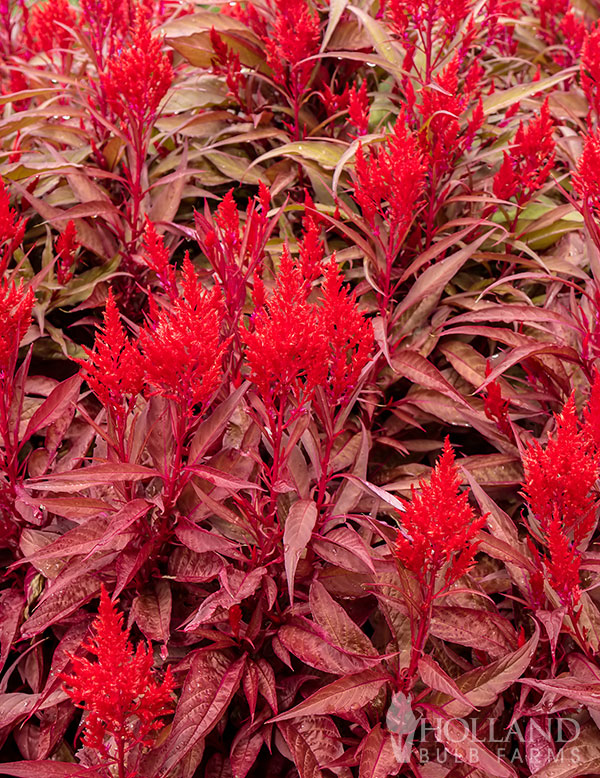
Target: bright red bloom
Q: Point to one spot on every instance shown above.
(527, 165)
(12, 228)
(348, 333)
(496, 406)
(559, 477)
(389, 182)
(119, 691)
(137, 79)
(590, 68)
(438, 525)
(586, 181)
(16, 303)
(156, 256)
(286, 348)
(114, 368)
(294, 38)
(183, 349)
(227, 62)
(310, 245)
(574, 29)
(416, 14)
(358, 108)
(563, 564)
(66, 246)
(44, 25)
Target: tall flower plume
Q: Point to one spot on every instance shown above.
(118, 691)
(295, 37)
(114, 367)
(44, 28)
(439, 525)
(12, 228)
(586, 180)
(389, 181)
(527, 165)
(16, 303)
(137, 79)
(182, 345)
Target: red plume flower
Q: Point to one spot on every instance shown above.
(12, 228)
(118, 691)
(16, 303)
(390, 180)
(439, 525)
(559, 477)
(590, 68)
(586, 180)
(66, 246)
(44, 25)
(183, 349)
(113, 369)
(295, 37)
(527, 165)
(137, 79)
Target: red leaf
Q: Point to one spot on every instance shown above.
(344, 633)
(54, 406)
(377, 759)
(210, 684)
(95, 475)
(304, 759)
(47, 768)
(299, 525)
(352, 692)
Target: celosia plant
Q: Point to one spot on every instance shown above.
(123, 702)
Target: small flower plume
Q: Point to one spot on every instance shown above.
(590, 68)
(348, 333)
(389, 181)
(12, 228)
(286, 347)
(66, 246)
(560, 476)
(118, 690)
(294, 38)
(182, 346)
(439, 525)
(137, 79)
(527, 165)
(227, 63)
(16, 303)
(563, 564)
(586, 181)
(113, 369)
(406, 15)
(496, 406)
(44, 28)
(358, 108)
(310, 245)
(156, 255)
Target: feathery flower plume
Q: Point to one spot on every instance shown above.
(559, 477)
(183, 350)
(118, 690)
(348, 333)
(590, 68)
(389, 181)
(12, 228)
(294, 38)
(66, 246)
(156, 255)
(439, 525)
(286, 347)
(114, 367)
(44, 25)
(528, 163)
(137, 79)
(586, 181)
(16, 303)
(358, 108)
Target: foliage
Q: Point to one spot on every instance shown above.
(299, 389)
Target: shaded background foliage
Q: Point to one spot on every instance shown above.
(259, 261)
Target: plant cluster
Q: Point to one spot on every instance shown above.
(299, 389)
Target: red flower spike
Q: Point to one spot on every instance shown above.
(66, 246)
(114, 368)
(527, 165)
(439, 525)
(563, 564)
(590, 68)
(182, 347)
(286, 348)
(586, 181)
(12, 228)
(294, 38)
(16, 303)
(390, 180)
(44, 25)
(358, 108)
(591, 413)
(559, 477)
(310, 246)
(228, 221)
(227, 63)
(137, 79)
(118, 692)
(349, 334)
(156, 256)
(495, 406)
